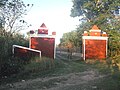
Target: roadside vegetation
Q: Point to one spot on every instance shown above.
(104, 14)
(11, 22)
(13, 69)
(58, 70)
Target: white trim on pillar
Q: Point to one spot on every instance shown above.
(29, 42)
(84, 49)
(54, 48)
(106, 47)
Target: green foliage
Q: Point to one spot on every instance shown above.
(70, 40)
(39, 64)
(11, 13)
(101, 13)
(10, 67)
(92, 9)
(106, 83)
(9, 64)
(39, 67)
(2, 2)
(65, 70)
(73, 39)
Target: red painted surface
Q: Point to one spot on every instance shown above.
(94, 44)
(25, 53)
(45, 45)
(39, 42)
(53, 33)
(95, 49)
(43, 25)
(95, 27)
(43, 29)
(95, 33)
(104, 35)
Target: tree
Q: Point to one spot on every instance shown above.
(94, 9)
(11, 15)
(2, 2)
(70, 39)
(105, 14)
(102, 13)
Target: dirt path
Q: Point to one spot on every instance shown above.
(72, 81)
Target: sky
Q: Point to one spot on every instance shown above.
(54, 13)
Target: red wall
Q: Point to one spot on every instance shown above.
(94, 44)
(95, 33)
(25, 53)
(44, 44)
(95, 49)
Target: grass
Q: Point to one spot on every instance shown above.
(108, 83)
(101, 66)
(60, 68)
(49, 68)
(46, 68)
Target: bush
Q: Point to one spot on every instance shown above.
(9, 64)
(39, 64)
(12, 66)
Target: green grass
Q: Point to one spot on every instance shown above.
(102, 67)
(48, 68)
(108, 83)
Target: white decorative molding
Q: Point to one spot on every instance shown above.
(85, 32)
(95, 37)
(104, 32)
(106, 47)
(26, 48)
(43, 36)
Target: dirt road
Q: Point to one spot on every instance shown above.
(72, 81)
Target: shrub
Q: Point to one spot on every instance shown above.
(39, 64)
(9, 64)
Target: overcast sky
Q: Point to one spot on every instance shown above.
(54, 13)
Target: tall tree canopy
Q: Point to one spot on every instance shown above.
(105, 14)
(95, 9)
